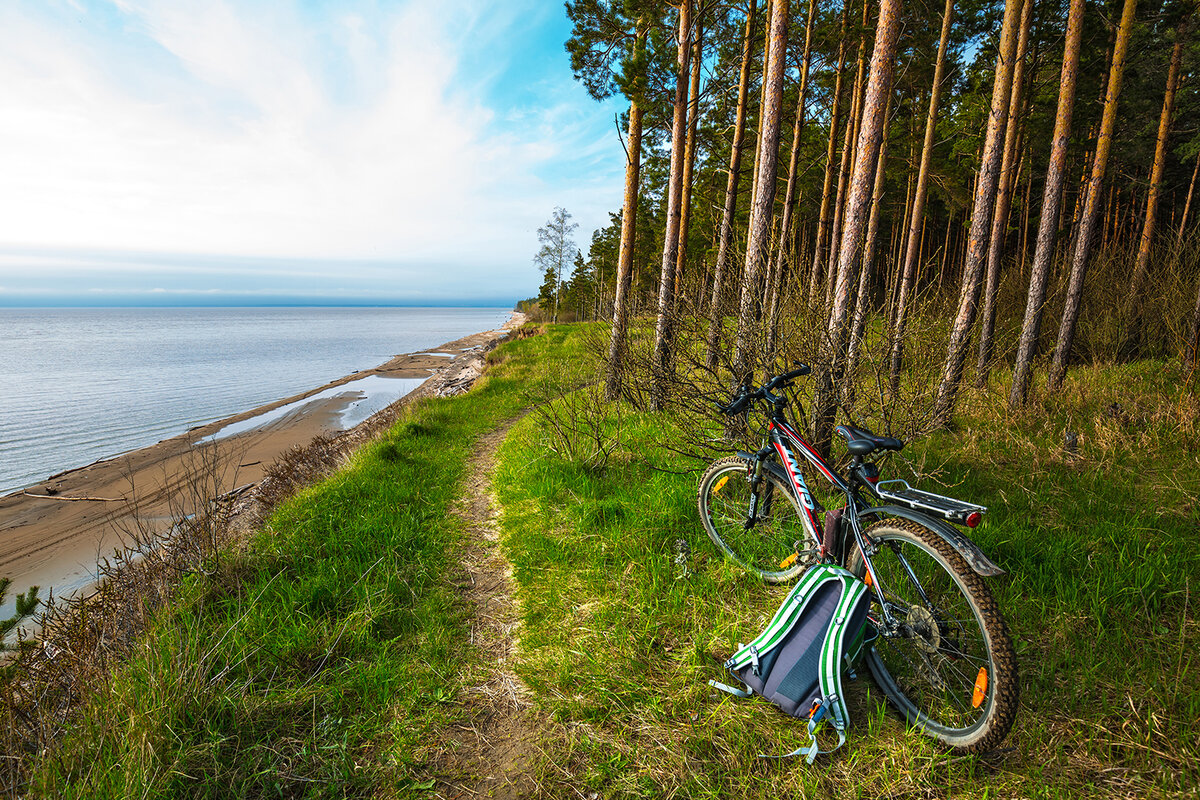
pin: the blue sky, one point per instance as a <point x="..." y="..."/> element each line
<point x="231" y="152"/>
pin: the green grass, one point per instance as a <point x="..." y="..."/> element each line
<point x="331" y="657"/>
<point x="619" y="639"/>
<point x="322" y="660"/>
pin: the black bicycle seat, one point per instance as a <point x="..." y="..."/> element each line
<point x="860" y="441"/>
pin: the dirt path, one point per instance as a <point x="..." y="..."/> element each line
<point x="495" y="752"/>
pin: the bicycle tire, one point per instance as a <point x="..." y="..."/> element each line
<point x="970" y="631"/>
<point x="723" y="498"/>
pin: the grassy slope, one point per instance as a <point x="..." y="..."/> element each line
<point x="326" y="659"/>
<point x="321" y="661"/>
<point x="620" y="638"/>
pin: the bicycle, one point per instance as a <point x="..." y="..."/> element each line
<point x="943" y="655"/>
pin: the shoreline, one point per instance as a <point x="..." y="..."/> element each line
<point x="54" y="533"/>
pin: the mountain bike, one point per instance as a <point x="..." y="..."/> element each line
<point x="942" y="654"/>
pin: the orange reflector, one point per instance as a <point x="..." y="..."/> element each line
<point x="719" y="484"/>
<point x="867" y="579"/>
<point x="980" y="688"/>
<point x="787" y="562"/>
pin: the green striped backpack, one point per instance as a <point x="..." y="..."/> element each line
<point x="797" y="662"/>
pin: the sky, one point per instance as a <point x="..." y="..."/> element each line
<point x="246" y="152"/>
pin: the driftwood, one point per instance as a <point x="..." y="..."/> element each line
<point x="86" y="499"/>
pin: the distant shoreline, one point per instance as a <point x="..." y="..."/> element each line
<point x="52" y="534"/>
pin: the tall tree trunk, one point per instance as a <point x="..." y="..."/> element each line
<point x="1008" y="180"/>
<point x="786" y="253"/>
<point x="981" y="217"/>
<point x="764" y="195"/>
<point x="1187" y="205"/>
<point x="622" y="300"/>
<point x="717" y="307"/>
<point x="666" y="290"/>
<point x="823" y="220"/>
<point x="909" y="271"/>
<point x="847" y="163"/>
<point x="1083" y="246"/>
<point x="689" y="163"/>
<point x="861" y="303"/>
<point x="1141" y="266"/>
<point x="879" y="87"/>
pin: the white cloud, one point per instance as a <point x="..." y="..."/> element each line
<point x="273" y="130"/>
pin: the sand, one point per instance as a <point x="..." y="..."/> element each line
<point x="53" y="534"/>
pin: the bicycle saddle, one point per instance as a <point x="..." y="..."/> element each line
<point x="860" y="441"/>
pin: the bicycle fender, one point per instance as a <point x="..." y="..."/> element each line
<point x="951" y="535"/>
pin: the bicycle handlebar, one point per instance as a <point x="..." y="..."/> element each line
<point x="746" y="394"/>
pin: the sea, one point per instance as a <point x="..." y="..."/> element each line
<point x="82" y="384"/>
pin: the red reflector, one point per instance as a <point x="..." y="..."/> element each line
<point x="873" y="480"/>
<point x="973" y="519"/>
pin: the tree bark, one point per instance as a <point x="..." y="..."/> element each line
<point x="1187" y="205"/>
<point x="908" y="273"/>
<point x="1141" y="266"/>
<point x="764" y="195"/>
<point x="859" y="324"/>
<point x="823" y="221"/>
<point x="879" y="86"/>
<point x="1083" y="245"/>
<point x="785" y="253"/>
<point x="981" y="217"/>
<point x="689" y="162"/>
<point x="622" y="299"/>
<point x="717" y="307"/>
<point x="1008" y="179"/>
<point x="847" y="164"/>
<point x="666" y="290"/>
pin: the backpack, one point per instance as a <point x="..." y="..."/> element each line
<point x="797" y="662"/>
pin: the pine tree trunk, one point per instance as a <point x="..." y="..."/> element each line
<point x="1083" y="245"/>
<point x="879" y="87"/>
<point x="666" y="290"/>
<point x="861" y="302"/>
<point x="1141" y="266"/>
<point x="764" y="196"/>
<point x="908" y="273"/>
<point x="823" y="220"/>
<point x="717" y="307"/>
<point x="621" y="302"/>
<point x="847" y="164"/>
<point x="689" y="164"/>
<point x="1187" y="205"/>
<point x="1008" y="180"/>
<point x="981" y="218"/>
<point x="786" y="235"/>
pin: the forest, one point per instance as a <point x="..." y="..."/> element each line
<point x="913" y="194"/>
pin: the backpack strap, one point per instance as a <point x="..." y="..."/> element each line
<point x="730" y="689"/>
<point x="832" y="656"/>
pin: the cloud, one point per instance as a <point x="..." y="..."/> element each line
<point x="350" y="133"/>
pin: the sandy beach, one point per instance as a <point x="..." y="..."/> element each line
<point x="54" y="533"/>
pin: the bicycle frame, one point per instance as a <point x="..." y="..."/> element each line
<point x="780" y="435"/>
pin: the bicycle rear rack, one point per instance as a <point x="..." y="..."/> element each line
<point x="948" y="508"/>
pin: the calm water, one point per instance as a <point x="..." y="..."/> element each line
<point x="77" y="385"/>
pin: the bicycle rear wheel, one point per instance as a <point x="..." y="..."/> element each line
<point x="949" y="668"/>
<point x="776" y="534"/>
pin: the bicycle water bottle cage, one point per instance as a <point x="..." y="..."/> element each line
<point x="860" y="441"/>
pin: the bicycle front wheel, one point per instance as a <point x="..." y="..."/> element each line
<point x="948" y="665"/>
<point x="766" y="545"/>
